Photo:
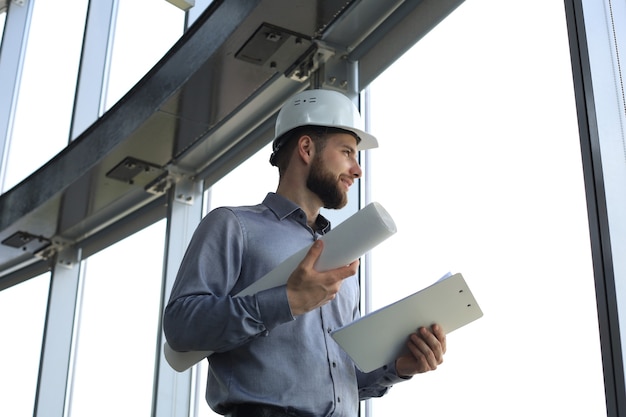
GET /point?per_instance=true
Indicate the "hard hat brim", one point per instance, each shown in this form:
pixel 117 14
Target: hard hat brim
pixel 366 141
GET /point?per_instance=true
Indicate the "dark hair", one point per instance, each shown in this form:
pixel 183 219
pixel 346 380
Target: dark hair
pixel 288 141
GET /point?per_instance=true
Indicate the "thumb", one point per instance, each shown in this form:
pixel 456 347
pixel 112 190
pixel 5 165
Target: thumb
pixel 313 254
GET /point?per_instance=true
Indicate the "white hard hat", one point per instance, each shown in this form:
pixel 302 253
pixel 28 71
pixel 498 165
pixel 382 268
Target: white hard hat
pixel 326 108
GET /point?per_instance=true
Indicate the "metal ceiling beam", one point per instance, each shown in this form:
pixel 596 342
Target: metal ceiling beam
pixel 204 107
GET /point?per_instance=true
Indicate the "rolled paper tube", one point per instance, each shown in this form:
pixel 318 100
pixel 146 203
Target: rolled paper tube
pixel 181 361
pixel 347 242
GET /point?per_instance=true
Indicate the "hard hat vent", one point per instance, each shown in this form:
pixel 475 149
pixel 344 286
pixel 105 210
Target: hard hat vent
pixel 302 101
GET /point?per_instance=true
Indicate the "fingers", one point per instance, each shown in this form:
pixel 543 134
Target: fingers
pixel 315 251
pixel 350 270
pixel 428 347
pixel 331 277
pixel 308 289
pixel 440 335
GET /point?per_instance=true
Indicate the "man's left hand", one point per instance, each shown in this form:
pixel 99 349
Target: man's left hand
pixel 426 348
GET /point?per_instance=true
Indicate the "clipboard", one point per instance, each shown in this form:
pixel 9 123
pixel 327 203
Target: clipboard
pixel 377 338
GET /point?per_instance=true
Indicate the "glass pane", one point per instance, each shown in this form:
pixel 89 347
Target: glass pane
pixel 22 317
pixel 145 30
pixel 3 18
pixel 46 97
pixel 116 338
pixel 248 184
pixel 479 139
pixel 198 8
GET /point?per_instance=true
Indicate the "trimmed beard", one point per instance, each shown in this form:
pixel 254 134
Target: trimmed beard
pixel 325 185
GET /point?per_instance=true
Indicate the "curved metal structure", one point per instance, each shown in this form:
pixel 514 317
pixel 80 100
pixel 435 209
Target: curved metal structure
pixel 210 99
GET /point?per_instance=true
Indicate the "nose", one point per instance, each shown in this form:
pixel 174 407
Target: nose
pixel 356 170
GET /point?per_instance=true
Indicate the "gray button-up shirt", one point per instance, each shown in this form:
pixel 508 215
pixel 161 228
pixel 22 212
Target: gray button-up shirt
pixel 262 353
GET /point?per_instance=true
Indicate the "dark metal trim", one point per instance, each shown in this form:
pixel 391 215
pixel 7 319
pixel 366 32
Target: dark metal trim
pixel 611 347
pixel 25 273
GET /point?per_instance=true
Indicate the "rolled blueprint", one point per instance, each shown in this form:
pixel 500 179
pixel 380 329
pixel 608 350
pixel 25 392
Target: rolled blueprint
pixel 181 361
pixel 347 242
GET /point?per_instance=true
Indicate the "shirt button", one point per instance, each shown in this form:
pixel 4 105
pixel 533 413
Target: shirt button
pixel 329 330
pixel 334 364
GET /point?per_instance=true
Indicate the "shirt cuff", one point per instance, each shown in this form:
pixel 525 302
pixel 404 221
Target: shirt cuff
pixel 390 374
pixel 274 307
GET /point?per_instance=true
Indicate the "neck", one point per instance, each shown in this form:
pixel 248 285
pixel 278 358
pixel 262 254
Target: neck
pixel 305 199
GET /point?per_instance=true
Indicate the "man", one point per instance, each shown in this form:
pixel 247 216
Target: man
pixel 273 352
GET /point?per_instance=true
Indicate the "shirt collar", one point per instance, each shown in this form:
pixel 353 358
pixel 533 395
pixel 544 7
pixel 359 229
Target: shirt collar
pixel 283 208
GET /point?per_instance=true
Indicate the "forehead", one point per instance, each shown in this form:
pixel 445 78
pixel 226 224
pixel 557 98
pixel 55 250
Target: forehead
pixel 342 139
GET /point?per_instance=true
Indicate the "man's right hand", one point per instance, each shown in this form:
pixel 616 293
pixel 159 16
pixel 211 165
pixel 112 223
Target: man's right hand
pixel 308 289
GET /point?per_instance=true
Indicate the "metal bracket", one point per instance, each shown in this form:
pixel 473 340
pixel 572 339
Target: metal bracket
pixel 185 191
pixel 317 55
pixel 56 246
pixel 184 187
pixel 274 48
pixel 335 73
pixel 183 4
pixel 161 184
pixel 69 257
pixel 27 242
pixel 134 171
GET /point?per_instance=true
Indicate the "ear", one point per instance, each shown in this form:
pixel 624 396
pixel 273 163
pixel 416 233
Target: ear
pixel 306 147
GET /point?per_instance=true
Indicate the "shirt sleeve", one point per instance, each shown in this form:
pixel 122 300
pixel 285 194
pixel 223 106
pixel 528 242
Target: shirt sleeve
pixel 378 382
pixel 202 314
